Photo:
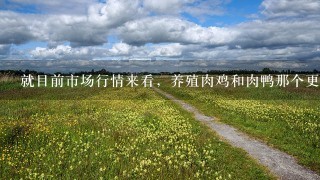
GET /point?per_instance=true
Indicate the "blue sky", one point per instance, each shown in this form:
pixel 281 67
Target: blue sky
pixel 167 29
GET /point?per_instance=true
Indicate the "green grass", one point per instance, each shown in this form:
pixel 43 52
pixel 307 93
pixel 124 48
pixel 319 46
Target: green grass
pixel 110 133
pixel 287 118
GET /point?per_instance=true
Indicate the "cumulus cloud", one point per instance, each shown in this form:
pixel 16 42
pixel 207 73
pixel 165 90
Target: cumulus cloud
pixel 285 53
pixel 93 28
pixel 277 34
pixel 76 30
pixel 170 29
pixel 169 50
pixel 14 29
pixel 166 6
pixel 196 8
pixel 115 12
pixel 88 29
pixel 17 29
pixel 61 52
pixel 201 9
pixel 290 8
pixel 149 28
pixel 121 49
pixel 66 52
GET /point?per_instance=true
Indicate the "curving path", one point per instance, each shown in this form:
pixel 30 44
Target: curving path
pixel 279 163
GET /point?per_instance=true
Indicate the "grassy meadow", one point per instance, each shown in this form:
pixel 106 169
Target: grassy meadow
pixel 111 133
pixel 287 118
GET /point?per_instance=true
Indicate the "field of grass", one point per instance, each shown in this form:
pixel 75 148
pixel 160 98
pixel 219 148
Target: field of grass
pixel 287 118
pixel 110 133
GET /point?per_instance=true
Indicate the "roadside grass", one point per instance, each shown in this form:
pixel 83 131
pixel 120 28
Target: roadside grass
pixel 287 118
pixel 110 133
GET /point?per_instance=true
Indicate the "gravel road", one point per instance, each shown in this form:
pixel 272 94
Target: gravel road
pixel 281 164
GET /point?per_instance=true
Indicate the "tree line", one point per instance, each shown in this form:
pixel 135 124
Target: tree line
pixel 105 72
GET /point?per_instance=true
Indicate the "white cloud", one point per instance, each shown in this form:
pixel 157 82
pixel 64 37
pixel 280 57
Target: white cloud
pixel 14 29
pixel 80 30
pixel 289 8
pixel 121 49
pixel 77 30
pixel 289 29
pixel 166 29
pixel 277 33
pixel 224 53
pixel 196 8
pixel 282 64
pixel 166 6
pixel 174 51
pixel 61 52
pixel 169 50
pixel 19 29
pixel 206 8
pixel 115 12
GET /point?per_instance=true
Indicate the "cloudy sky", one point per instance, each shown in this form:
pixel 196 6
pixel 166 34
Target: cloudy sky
pixel 160 29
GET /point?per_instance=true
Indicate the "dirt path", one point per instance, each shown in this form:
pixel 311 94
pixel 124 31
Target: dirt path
pixel 279 163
